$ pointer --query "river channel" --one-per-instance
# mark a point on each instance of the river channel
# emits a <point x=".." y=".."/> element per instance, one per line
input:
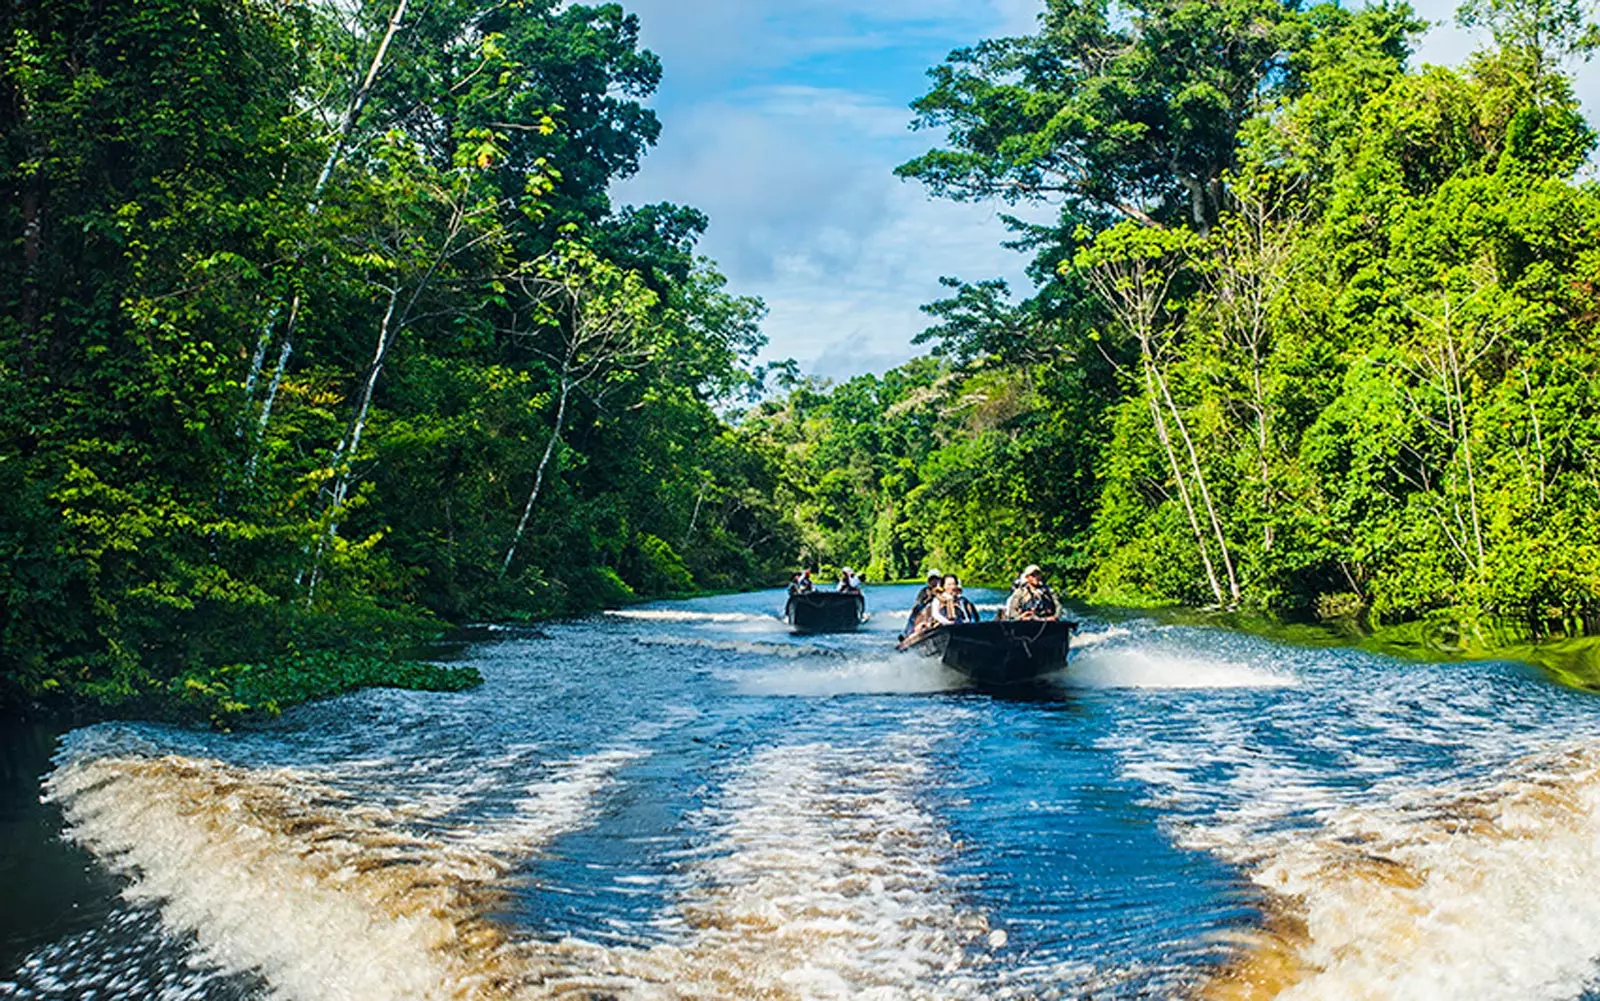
<point x="683" y="800"/>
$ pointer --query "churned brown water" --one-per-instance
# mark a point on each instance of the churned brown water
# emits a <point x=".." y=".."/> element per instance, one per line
<point x="684" y="801"/>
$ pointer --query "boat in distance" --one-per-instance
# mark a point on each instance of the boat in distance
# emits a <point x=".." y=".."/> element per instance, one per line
<point x="997" y="654"/>
<point x="825" y="611"/>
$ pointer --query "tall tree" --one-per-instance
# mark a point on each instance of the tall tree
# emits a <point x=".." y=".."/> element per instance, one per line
<point x="1129" y="110"/>
<point x="1540" y="35"/>
<point x="602" y="315"/>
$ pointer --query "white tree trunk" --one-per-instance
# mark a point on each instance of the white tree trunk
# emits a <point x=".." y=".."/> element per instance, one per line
<point x="694" y="518"/>
<point x="1177" y="472"/>
<point x="272" y="390"/>
<point x="1538" y="436"/>
<point x="1466" y="447"/>
<point x="1200" y="482"/>
<point x="538" y="478"/>
<point x="347" y="125"/>
<point x="358" y="101"/>
<point x="352" y="440"/>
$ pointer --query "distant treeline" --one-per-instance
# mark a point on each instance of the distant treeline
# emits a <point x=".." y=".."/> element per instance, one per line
<point x="317" y="326"/>
<point x="1313" y="331"/>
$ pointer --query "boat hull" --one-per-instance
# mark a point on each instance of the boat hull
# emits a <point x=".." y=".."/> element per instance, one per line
<point x="825" y="612"/>
<point x="997" y="654"/>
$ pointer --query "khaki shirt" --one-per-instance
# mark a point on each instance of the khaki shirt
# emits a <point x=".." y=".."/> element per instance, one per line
<point x="1039" y="601"/>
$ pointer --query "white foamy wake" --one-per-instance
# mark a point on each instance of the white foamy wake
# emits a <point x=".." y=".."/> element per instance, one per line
<point x="567" y="800"/>
<point x="329" y="898"/>
<point x="821" y="879"/>
<point x="882" y="676"/>
<point x="827" y="882"/>
<point x="1096" y="637"/>
<point x="426" y="789"/>
<point x="1484" y="891"/>
<point x="676" y="615"/>
<point x="1145" y="667"/>
<point x="752" y="647"/>
<point x="272" y="870"/>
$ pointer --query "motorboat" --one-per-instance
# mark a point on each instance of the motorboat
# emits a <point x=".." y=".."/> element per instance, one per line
<point x="997" y="653"/>
<point x="825" y="611"/>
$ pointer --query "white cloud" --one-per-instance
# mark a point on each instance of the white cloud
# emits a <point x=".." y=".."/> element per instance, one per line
<point x="783" y="123"/>
<point x="700" y="39"/>
<point x="806" y="213"/>
<point x="865" y="302"/>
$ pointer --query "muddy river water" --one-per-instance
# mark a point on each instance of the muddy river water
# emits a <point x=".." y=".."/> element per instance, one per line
<point x="682" y="800"/>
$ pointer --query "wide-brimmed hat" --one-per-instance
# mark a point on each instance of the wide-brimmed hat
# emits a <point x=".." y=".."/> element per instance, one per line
<point x="1031" y="570"/>
<point x="935" y="573"/>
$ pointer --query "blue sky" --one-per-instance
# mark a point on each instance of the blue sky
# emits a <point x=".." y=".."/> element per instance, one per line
<point x="783" y="122"/>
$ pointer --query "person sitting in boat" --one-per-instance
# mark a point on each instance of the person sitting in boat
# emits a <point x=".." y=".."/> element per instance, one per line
<point x="1032" y="599"/>
<point x="849" y="582"/>
<point x="800" y="583"/>
<point x="950" y="607"/>
<point x="924" y="598"/>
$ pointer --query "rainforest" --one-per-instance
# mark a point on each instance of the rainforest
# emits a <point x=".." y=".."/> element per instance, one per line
<point x="321" y="332"/>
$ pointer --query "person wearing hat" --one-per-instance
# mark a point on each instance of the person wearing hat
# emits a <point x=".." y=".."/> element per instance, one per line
<point x="950" y="606"/>
<point x="924" y="599"/>
<point x="1032" y="598"/>
<point x="849" y="582"/>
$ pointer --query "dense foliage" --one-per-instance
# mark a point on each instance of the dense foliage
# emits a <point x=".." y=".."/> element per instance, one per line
<point x="1314" y="329"/>
<point x="318" y="327"/>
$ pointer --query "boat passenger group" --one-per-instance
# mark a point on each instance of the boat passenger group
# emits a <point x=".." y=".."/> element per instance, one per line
<point x="941" y="603"/>
<point x="801" y="583"/>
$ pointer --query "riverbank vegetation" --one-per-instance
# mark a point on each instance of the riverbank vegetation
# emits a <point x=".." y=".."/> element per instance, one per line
<point x="319" y="330"/>
<point x="1311" y="331"/>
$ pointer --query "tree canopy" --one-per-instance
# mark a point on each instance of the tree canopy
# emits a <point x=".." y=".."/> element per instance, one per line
<point x="320" y="327"/>
<point x="1313" y="331"/>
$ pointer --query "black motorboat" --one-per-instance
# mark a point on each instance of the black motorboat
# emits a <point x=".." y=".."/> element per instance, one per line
<point x="997" y="654"/>
<point x="825" y="611"/>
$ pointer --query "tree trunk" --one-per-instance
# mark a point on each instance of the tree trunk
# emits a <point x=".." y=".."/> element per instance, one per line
<point x="538" y="478"/>
<point x="272" y="390"/>
<point x="695" y="517"/>
<point x="388" y="329"/>
<point x="352" y="440"/>
<point x="347" y="126"/>
<point x="1205" y="494"/>
<point x="1263" y="429"/>
<point x="1199" y="208"/>
<point x="1538" y="437"/>
<point x="1177" y="472"/>
<point x="257" y="363"/>
<point x="358" y="101"/>
<point x="1466" y="449"/>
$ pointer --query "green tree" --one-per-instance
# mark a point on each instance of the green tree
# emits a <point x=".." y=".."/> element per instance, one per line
<point x="1130" y="111"/>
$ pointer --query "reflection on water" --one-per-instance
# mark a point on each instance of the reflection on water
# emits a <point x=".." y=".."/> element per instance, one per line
<point x="51" y="887"/>
<point x="685" y="801"/>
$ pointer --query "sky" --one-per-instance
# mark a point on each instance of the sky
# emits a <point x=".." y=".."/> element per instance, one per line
<point x="783" y="121"/>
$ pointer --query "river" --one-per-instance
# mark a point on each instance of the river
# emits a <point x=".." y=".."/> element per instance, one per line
<point x="682" y="800"/>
